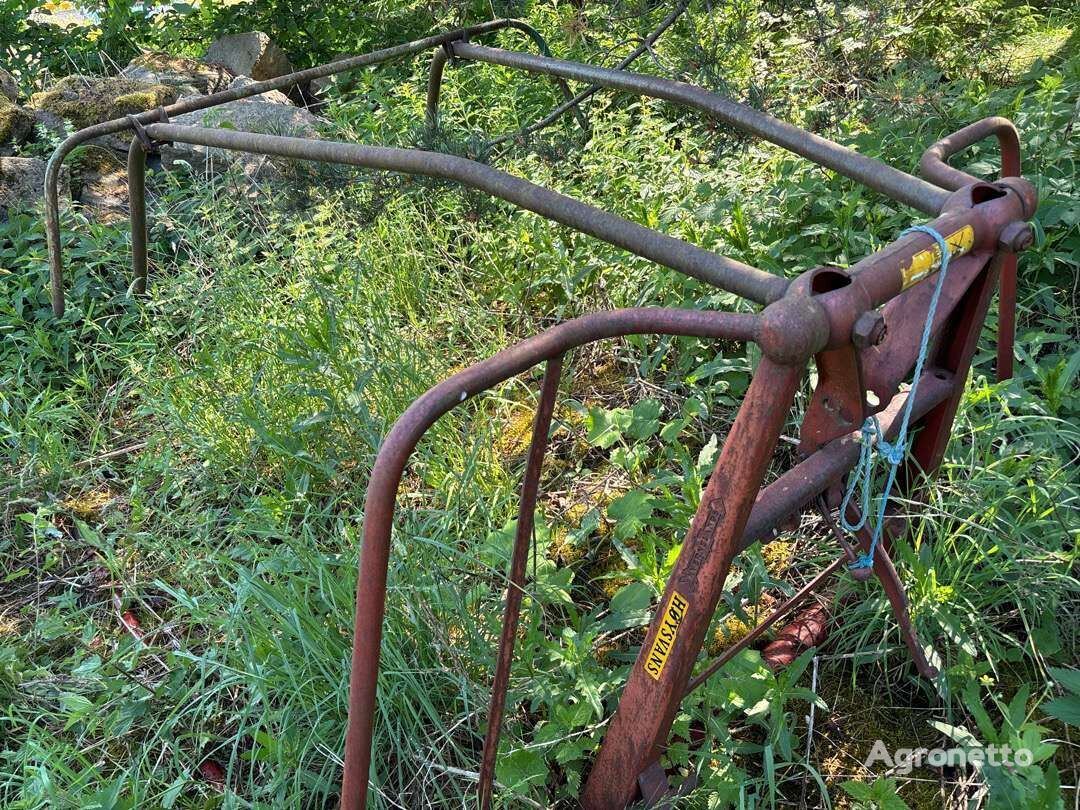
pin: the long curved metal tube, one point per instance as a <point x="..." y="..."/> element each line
<point x="56" y="161"/>
<point x="398" y="447"/>
<point x="712" y="268"/>
<point x="438" y="65"/>
<point x="935" y="168"/>
<point x="870" y="172"/>
<point x="933" y="163"/>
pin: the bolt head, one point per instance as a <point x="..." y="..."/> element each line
<point x="1017" y="237"/>
<point x="869" y="329"/>
<point x="861" y="574"/>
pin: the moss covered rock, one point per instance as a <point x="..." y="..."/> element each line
<point x="189" y="76"/>
<point x="86" y="100"/>
<point x="16" y="124"/>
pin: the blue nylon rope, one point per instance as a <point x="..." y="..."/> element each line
<point x="872" y="437"/>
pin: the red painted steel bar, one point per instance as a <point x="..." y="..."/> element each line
<point x="794" y="489"/>
<point x="935" y="168"/>
<point x="660" y="675"/>
<point x="516" y="585"/>
<point x="884" y="275"/>
<point x="955" y="349"/>
<point x="793" y="602"/>
<point x="933" y="161"/>
<point x="808" y="629"/>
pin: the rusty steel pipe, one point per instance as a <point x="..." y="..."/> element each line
<point x="870" y="172"/>
<point x="789" y="605"/>
<point x="434" y="88"/>
<point x="933" y="163"/>
<point x="438" y="65"/>
<point x="136" y="169"/>
<point x="704" y="265"/>
<point x="394" y="455"/>
<point x="515" y="588"/>
<point x="76" y="139"/>
<point x="934" y="167"/>
<point x="807" y="630"/>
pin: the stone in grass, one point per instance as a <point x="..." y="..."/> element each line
<point x="190" y="77"/>
<point x="102" y="186"/>
<point x="249" y="54"/>
<point x="246" y="115"/>
<point x="22" y="181"/>
<point x="273" y="96"/>
<point x="9" y="88"/>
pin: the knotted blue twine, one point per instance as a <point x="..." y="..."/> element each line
<point x="872" y="437"/>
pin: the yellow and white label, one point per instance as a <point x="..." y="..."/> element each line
<point x="927" y="261"/>
<point x="665" y="636"/>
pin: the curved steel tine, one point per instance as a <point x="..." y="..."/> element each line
<point x="516" y="587"/>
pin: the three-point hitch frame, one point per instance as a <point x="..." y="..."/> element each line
<point x="860" y="325"/>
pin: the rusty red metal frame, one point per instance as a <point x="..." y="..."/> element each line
<point x="860" y="326"/>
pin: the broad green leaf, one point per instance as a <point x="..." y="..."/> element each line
<point x="1066" y="709"/>
<point x="644" y="419"/>
<point x="634" y="597"/>
<point x="630" y="513"/>
<point x="606" y="427"/>
<point x="521" y="770"/>
<point x="1069" y="678"/>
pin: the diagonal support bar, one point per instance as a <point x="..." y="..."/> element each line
<point x="659" y="677"/>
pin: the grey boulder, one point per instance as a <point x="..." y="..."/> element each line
<point x="253" y="114"/>
<point x="22" y="181"/>
<point x="250" y="54"/>
<point x="9" y="88"/>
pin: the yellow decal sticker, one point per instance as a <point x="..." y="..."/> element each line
<point x="665" y="636"/>
<point x="927" y="261"/>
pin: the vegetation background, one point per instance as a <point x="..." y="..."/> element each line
<point x="175" y="620"/>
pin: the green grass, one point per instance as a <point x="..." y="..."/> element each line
<point x="286" y="330"/>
